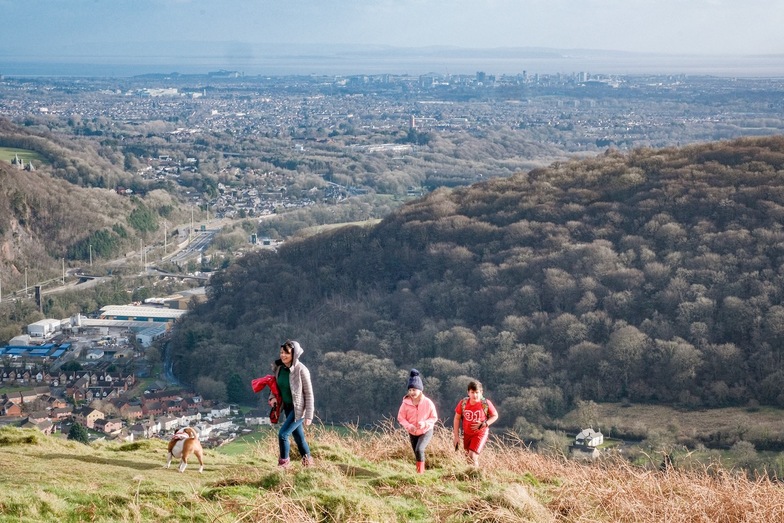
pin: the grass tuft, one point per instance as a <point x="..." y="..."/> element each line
<point x="17" y="436"/>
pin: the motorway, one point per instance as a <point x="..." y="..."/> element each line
<point x="199" y="242"/>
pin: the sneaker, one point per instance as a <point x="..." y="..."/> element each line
<point x="307" y="461"/>
<point x="283" y="463"/>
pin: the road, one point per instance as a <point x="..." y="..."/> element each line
<point x="183" y="252"/>
<point x="200" y="240"/>
<point x="168" y="367"/>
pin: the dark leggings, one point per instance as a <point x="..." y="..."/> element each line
<point x="419" y="443"/>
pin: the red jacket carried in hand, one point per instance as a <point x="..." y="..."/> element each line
<point x="275" y="400"/>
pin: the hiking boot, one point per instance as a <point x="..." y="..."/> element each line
<point x="284" y="463"/>
<point x="307" y="461"/>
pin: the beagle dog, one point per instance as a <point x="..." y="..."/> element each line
<point x="183" y="444"/>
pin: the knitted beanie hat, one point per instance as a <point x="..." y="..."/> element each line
<point x="415" y="382"/>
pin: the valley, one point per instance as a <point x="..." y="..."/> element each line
<point x="570" y="230"/>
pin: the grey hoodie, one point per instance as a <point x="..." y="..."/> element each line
<point x="301" y="387"/>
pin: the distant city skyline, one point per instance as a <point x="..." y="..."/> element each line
<point x="243" y="32"/>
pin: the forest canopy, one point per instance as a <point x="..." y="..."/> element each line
<point x="653" y="276"/>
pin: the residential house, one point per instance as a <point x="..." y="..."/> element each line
<point x="189" y="416"/>
<point x="23" y="377"/>
<point x="586" y="444"/>
<point x="131" y="412"/>
<point x="61" y="413"/>
<point x="53" y="402"/>
<point x="166" y="395"/>
<point x="222" y="424"/>
<point x="124" y="435"/>
<point x="108" y="426"/>
<point x="153" y="408"/>
<point x="204" y="429"/>
<point x="76" y="386"/>
<point x="589" y="438"/>
<point x="30" y="395"/>
<point x="7" y="376"/>
<point x="220" y="410"/>
<point x="145" y="429"/>
<point x="257" y="417"/>
<point x="168" y="423"/>
<point x="10" y="408"/>
<point x="87" y="416"/>
<point x="44" y="378"/>
<point x="39" y="416"/>
<point x="46" y="426"/>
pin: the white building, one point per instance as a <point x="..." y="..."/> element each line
<point x="586" y="445"/>
<point x="146" y="336"/>
<point x="140" y="313"/>
<point x="589" y="438"/>
<point x="43" y="328"/>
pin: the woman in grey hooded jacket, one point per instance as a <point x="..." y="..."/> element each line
<point x="296" y="391"/>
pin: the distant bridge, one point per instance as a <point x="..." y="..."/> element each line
<point x="162" y="274"/>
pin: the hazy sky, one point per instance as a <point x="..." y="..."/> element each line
<point x="38" y="28"/>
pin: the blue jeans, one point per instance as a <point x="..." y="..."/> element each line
<point x="419" y="443"/>
<point x="292" y="428"/>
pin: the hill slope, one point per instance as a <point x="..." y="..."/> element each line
<point x="651" y="277"/>
<point x="42" y="217"/>
<point x="357" y="477"/>
<point x="64" y="210"/>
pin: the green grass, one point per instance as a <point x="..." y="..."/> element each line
<point x="68" y="481"/>
<point x="7" y="154"/>
<point x="245" y="443"/>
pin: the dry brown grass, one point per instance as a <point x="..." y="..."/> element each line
<point x="534" y="487"/>
<point x="615" y="490"/>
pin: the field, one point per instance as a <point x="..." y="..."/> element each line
<point x="317" y="229"/>
<point x="7" y="154"/>
<point x="759" y="424"/>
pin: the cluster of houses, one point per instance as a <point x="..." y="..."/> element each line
<point x="100" y="401"/>
<point x="261" y="193"/>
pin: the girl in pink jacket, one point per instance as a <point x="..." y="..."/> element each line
<point x="418" y="416"/>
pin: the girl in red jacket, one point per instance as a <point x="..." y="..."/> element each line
<point x="418" y="416"/>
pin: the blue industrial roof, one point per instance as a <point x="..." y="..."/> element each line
<point x="34" y="351"/>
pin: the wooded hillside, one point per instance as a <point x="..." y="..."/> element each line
<point x="653" y="276"/>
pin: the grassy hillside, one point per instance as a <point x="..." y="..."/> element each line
<point x="357" y="477"/>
